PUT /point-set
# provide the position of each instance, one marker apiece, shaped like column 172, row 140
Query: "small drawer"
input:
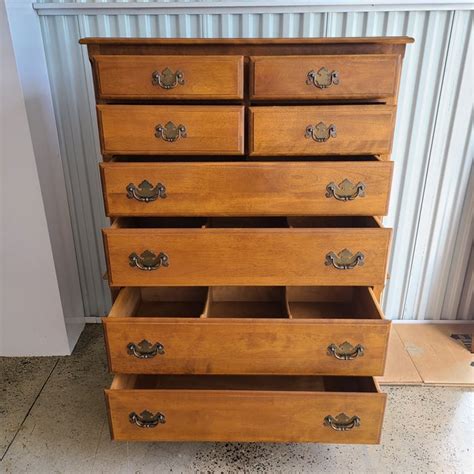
column 247, row 330
column 321, row 130
column 171, row 130
column 369, row 76
column 247, row 251
column 169, row 77
column 245, row 189
column 245, row 408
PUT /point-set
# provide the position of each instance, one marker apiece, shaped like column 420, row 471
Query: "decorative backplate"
column 148, row 260
column 344, row 260
column 146, row 192
column 167, row 79
column 345, row 351
column 145, row 349
column 323, row 78
column 320, row 132
column 342, row 422
column 345, row 191
column 146, row 419
column 170, row 132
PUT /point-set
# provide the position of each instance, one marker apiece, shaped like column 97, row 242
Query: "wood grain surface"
column 130, row 129
column 241, row 189
column 247, row 256
column 283, row 415
column 359, row 76
column 361, row 129
column 237, row 337
column 204, row 77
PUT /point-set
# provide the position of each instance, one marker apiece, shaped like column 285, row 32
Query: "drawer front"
column 250, row 415
column 169, row 77
column 246, row 346
column 247, row 256
column 171, row 130
column 321, row 130
column 325, row 77
column 240, row 189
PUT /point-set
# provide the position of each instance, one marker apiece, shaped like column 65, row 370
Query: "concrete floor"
column 53, row 419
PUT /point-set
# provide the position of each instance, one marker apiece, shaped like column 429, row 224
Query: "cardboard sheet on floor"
column 438, row 358
column 399, row 368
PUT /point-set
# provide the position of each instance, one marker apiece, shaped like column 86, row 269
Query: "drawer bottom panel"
column 245, row 408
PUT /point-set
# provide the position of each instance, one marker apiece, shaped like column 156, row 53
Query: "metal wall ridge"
column 153, row 7
column 431, row 208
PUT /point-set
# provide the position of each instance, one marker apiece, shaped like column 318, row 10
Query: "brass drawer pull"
column 323, row 78
column 147, row 419
column 345, row 191
column 167, row 79
column 344, row 260
column 146, row 192
column 145, row 349
column 148, row 260
column 320, row 132
column 346, row 351
column 170, row 132
column 342, row 422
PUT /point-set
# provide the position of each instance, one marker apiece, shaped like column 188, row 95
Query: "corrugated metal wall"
column 432, row 196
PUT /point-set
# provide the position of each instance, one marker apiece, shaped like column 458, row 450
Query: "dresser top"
column 247, row 41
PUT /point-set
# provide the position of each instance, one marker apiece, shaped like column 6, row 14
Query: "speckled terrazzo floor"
column 53, row 420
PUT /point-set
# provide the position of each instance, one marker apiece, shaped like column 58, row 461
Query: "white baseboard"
column 92, row 319
column 432, row 321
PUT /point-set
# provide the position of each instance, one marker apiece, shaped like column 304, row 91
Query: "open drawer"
column 247, row 251
column 245, row 408
column 247, row 330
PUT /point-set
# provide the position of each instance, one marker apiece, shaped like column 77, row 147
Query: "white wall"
column 31, row 64
column 31, row 313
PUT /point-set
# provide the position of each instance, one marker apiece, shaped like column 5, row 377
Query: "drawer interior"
column 223, row 159
column 159, row 223
column 169, row 302
column 311, row 222
column 246, row 222
column 335, row 302
column 246, row 382
column 366, row 222
column 248, row 302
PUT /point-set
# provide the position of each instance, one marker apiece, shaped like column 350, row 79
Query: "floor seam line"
column 98, row 443
column 29, row 410
column 411, row 358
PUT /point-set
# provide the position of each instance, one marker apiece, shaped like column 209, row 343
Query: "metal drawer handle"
column 345, row 191
column 148, row 260
column 342, row 422
column 170, row 132
column 167, row 79
column 145, row 349
column 344, row 260
column 346, row 351
column 146, row 192
column 320, row 132
column 323, row 78
column 147, row 419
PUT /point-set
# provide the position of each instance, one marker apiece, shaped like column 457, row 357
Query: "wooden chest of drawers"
column 245, row 180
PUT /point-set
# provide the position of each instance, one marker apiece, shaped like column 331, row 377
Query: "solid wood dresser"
column 245, row 180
